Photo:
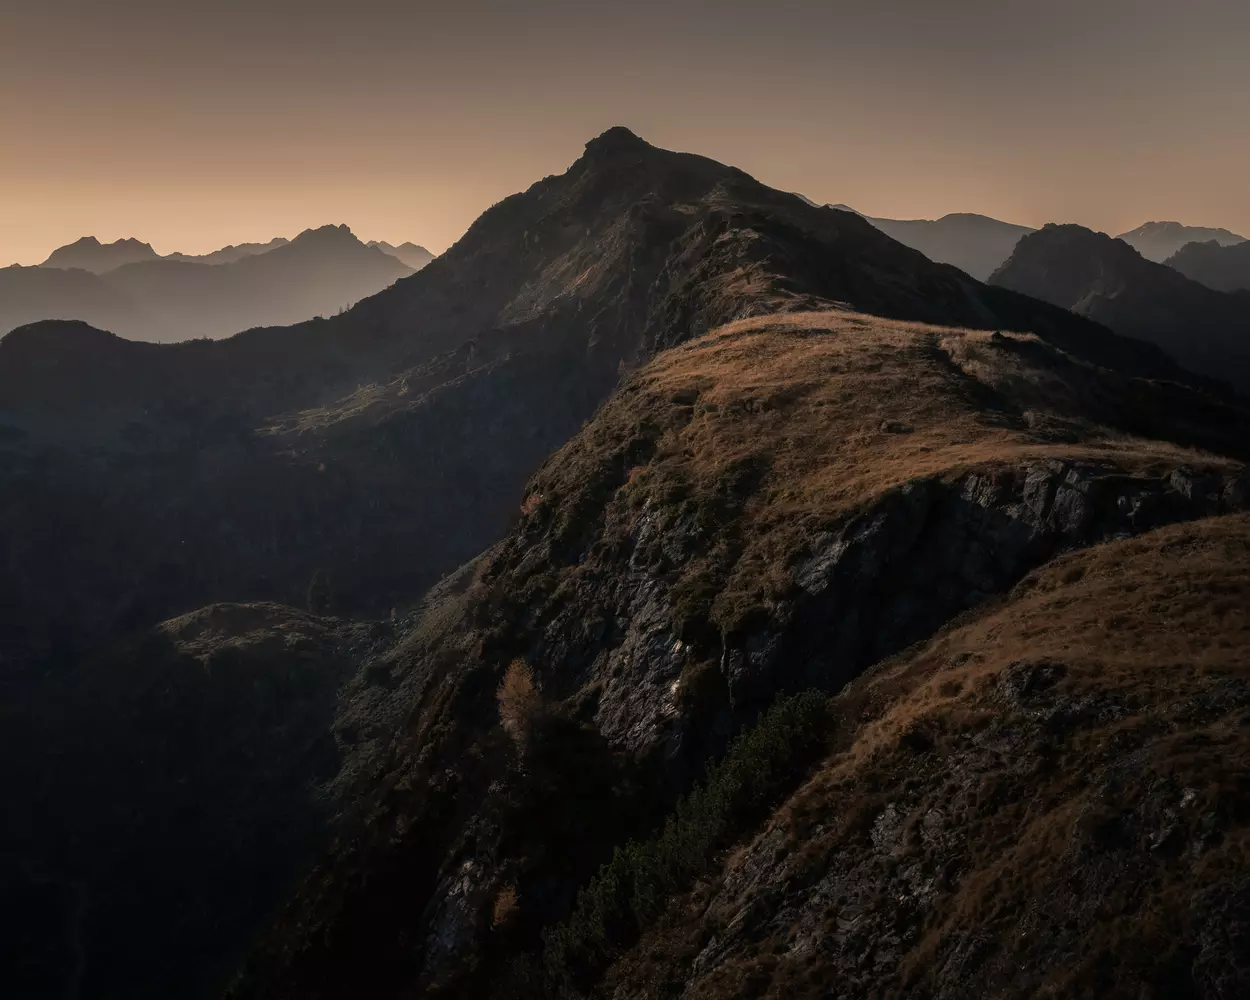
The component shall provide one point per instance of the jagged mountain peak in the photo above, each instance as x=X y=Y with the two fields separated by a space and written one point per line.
x=1157 y=241
x=326 y=235
x=1223 y=267
x=617 y=139
x=1108 y=280
x=89 y=254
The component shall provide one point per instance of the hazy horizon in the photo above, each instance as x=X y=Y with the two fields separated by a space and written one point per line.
x=194 y=128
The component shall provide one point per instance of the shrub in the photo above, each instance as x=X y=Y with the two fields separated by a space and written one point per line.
x=506 y=904
x=520 y=704
x=764 y=764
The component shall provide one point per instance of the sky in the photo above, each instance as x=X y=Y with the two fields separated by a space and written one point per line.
x=194 y=125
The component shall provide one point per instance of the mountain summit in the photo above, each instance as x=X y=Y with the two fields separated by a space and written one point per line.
x=89 y=254
x=416 y=257
x=1107 y=280
x=1226 y=268
x=140 y=295
x=974 y=243
x=1157 y=241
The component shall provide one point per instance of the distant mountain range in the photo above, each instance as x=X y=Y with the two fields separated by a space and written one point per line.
x=979 y=245
x=416 y=257
x=1222 y=267
x=976 y=244
x=127 y=288
x=89 y=254
x=1158 y=241
x=228 y=255
x=1107 y=280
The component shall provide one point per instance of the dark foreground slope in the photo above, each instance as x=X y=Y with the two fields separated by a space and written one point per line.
x=161 y=794
x=772 y=507
x=390 y=444
x=1048 y=799
x=1108 y=281
x=1224 y=268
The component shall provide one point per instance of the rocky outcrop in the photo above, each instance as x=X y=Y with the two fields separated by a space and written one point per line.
x=734 y=524
x=1003 y=817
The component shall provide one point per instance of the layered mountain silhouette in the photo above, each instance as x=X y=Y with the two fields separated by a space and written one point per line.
x=1224 y=268
x=31 y=294
x=1158 y=241
x=416 y=257
x=320 y=272
x=228 y=255
x=89 y=254
x=974 y=243
x=1108 y=281
x=576 y=510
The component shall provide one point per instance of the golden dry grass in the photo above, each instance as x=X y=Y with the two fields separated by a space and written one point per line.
x=826 y=411
x=1074 y=830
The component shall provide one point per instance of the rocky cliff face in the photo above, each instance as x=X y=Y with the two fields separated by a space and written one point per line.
x=1046 y=798
x=772 y=507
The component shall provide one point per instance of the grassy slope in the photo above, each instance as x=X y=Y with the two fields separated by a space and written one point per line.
x=1046 y=799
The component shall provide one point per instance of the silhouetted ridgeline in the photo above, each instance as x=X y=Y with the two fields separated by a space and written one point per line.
x=128 y=289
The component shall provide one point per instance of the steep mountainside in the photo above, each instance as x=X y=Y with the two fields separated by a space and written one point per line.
x=1108 y=281
x=1047 y=800
x=771 y=507
x=89 y=254
x=974 y=243
x=414 y=256
x=389 y=445
x=788 y=447
x=1224 y=268
x=1157 y=241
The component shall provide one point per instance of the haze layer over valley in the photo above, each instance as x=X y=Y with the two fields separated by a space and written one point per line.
x=126 y=288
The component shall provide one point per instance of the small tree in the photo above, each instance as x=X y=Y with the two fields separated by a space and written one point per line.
x=320 y=595
x=519 y=702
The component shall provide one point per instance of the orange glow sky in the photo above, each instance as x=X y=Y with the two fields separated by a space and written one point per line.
x=195 y=125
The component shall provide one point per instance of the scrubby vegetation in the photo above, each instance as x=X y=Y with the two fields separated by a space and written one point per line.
x=634 y=888
x=519 y=702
